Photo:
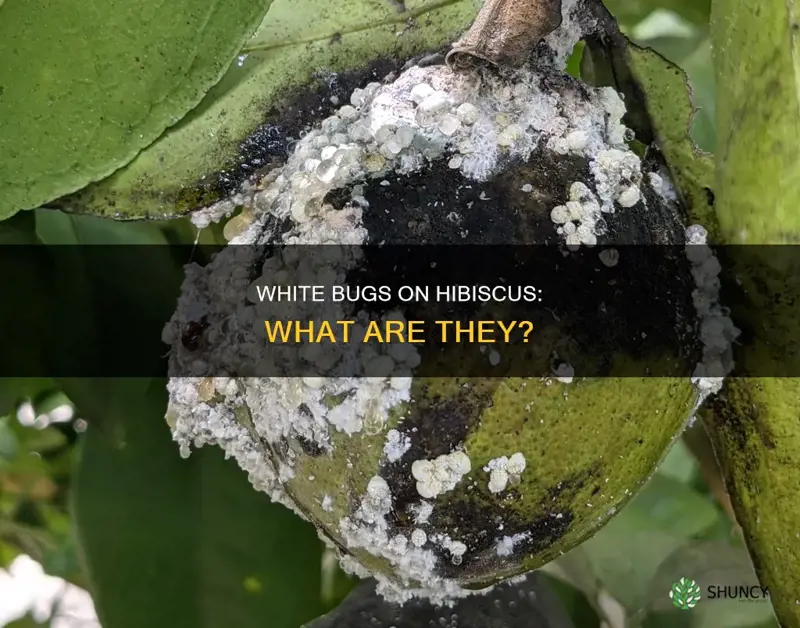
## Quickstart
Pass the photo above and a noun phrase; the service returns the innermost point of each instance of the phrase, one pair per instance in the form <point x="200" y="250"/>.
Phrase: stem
<point x="505" y="32"/>
<point x="699" y="444"/>
<point x="753" y="426"/>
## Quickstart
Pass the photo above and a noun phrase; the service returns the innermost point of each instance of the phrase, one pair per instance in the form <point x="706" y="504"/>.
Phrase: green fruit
<point x="588" y="446"/>
<point x="437" y="485"/>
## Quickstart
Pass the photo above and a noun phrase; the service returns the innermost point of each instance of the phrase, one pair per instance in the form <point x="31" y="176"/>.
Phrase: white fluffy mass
<point x="440" y="475"/>
<point x="504" y="469"/>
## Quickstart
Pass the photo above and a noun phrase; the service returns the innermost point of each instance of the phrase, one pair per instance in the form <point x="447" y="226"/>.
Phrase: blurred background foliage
<point x="174" y="539"/>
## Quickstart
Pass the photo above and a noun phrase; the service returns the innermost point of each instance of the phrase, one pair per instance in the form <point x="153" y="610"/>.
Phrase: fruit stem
<point x="505" y="32"/>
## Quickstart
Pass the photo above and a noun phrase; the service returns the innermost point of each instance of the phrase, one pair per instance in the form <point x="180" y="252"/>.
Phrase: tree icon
<point x="685" y="593"/>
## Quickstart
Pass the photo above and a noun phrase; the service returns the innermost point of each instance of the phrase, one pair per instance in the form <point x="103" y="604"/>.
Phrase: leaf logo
<point x="685" y="593"/>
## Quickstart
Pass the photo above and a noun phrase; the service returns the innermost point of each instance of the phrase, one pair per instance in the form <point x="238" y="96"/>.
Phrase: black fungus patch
<point x="436" y="424"/>
<point x="440" y="206"/>
<point x="272" y="230"/>
<point x="310" y="448"/>
<point x="735" y="419"/>
<point x="476" y="520"/>
<point x="644" y="305"/>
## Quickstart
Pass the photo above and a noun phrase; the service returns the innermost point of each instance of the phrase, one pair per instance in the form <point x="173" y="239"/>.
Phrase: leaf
<point x="84" y="86"/>
<point x="298" y="40"/>
<point x="693" y="56"/>
<point x="7" y="554"/>
<point x="8" y="441"/>
<point x="112" y="296"/>
<point x="626" y="553"/>
<point x="668" y="99"/>
<point x="679" y="464"/>
<point x="62" y="561"/>
<point x="711" y="564"/>
<point x="27" y="539"/>
<point x="336" y="584"/>
<point x="26" y="305"/>
<point x="574" y="600"/>
<point x="519" y="605"/>
<point x="700" y="70"/>
<point x="187" y="541"/>
<point x="90" y="283"/>
<point x="40" y="441"/>
<point x="630" y="12"/>
<point x="19" y="229"/>
<point x="660" y="110"/>
<point x="58" y="228"/>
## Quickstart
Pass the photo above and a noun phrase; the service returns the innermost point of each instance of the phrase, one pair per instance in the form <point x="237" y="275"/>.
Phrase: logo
<point x="740" y="593"/>
<point x="685" y="594"/>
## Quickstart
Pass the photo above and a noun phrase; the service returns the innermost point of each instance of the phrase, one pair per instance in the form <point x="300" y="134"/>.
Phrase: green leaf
<point x="189" y="542"/>
<point x="8" y="440"/>
<point x="299" y="39"/>
<point x="693" y="56"/>
<point x="26" y="539"/>
<point x="630" y="12"/>
<point x="679" y="464"/>
<point x="573" y="599"/>
<point x="84" y="86"/>
<point x="668" y="99"/>
<point x="8" y="553"/>
<point x="87" y="291"/>
<point x="711" y="564"/>
<point x="94" y="291"/>
<point x="26" y="305"/>
<point x="20" y="229"/>
<point x="40" y="441"/>
<point x="661" y="111"/>
<point x="336" y="583"/>
<point x="58" y="228"/>
<point x="626" y="553"/>
<point x="700" y="70"/>
<point x="62" y="561"/>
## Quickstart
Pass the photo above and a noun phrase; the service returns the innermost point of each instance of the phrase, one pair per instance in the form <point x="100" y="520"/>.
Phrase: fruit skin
<point x="589" y="445"/>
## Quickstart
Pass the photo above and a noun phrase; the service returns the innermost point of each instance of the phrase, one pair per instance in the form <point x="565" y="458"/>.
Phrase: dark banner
<point x="425" y="311"/>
